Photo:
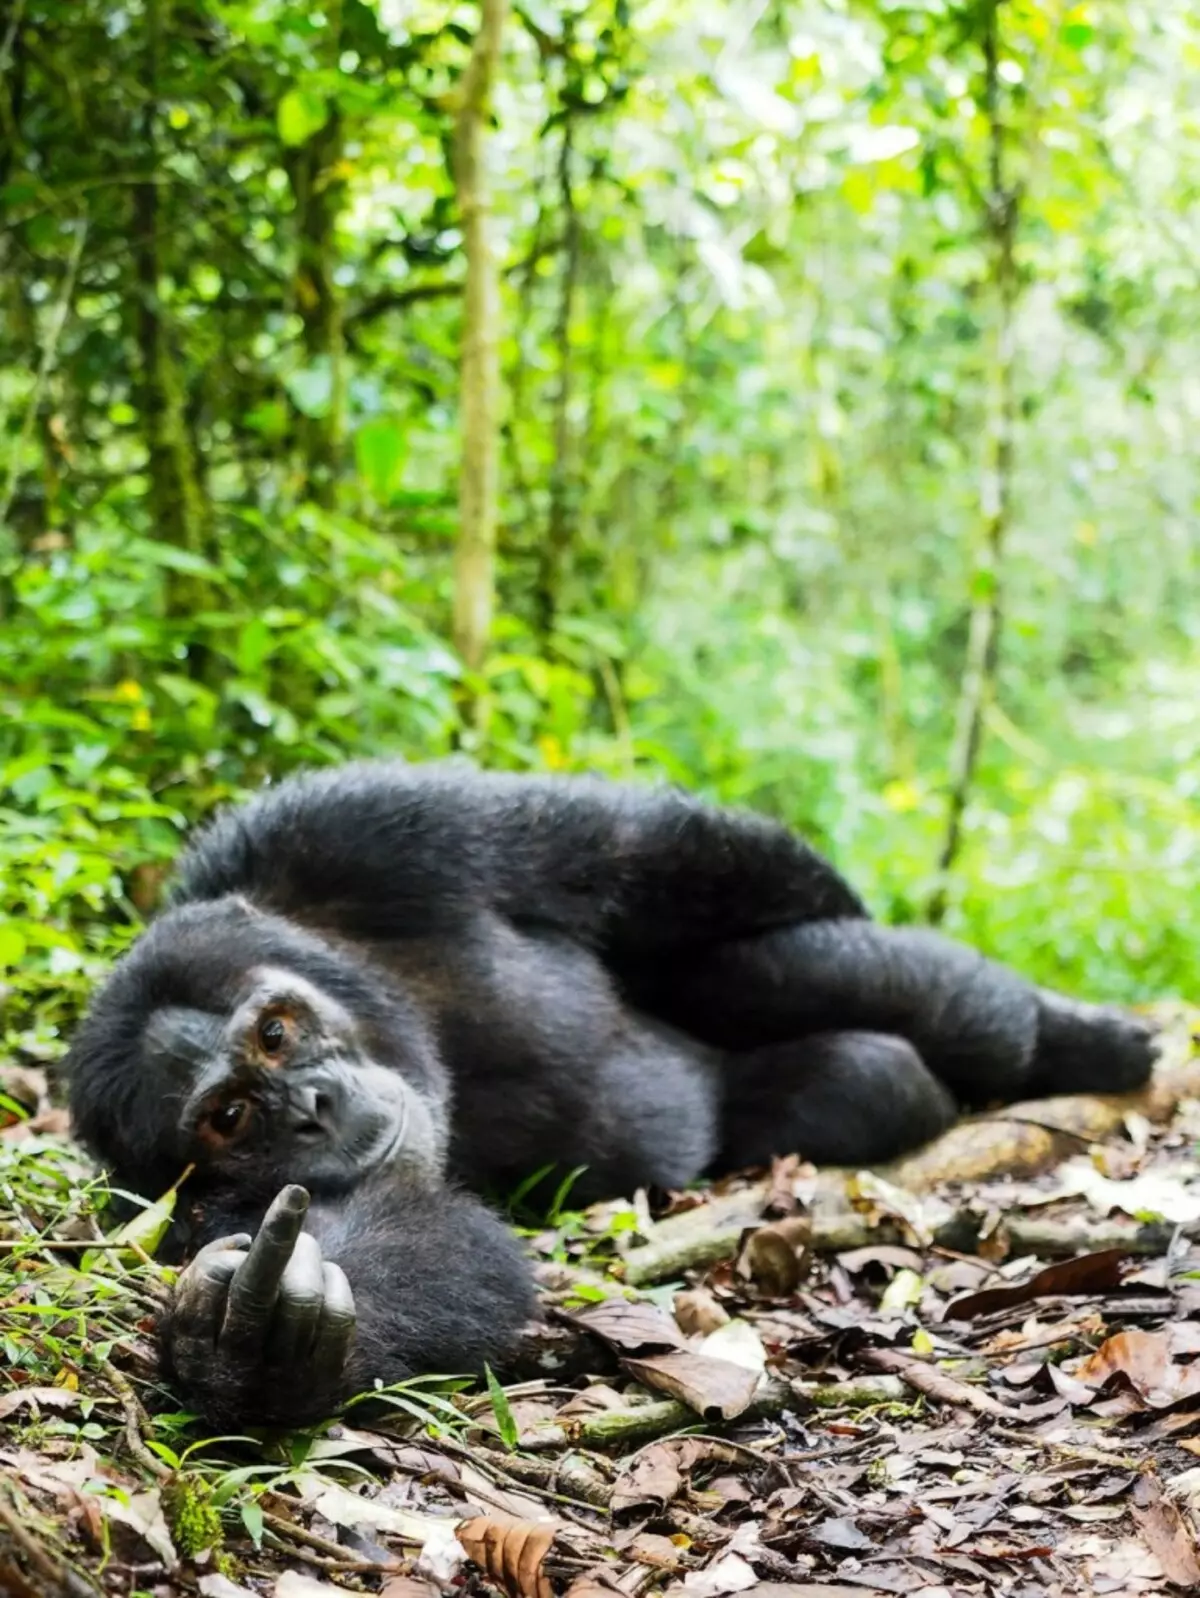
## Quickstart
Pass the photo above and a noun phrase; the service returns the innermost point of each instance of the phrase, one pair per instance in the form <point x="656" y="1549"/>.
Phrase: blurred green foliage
<point x="745" y="357"/>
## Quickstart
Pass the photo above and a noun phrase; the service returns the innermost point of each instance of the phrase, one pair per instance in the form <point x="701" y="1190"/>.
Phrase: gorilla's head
<point x="259" y="1052"/>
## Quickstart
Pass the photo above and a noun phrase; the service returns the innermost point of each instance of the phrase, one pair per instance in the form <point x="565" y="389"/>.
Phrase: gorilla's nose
<point x="315" y="1109"/>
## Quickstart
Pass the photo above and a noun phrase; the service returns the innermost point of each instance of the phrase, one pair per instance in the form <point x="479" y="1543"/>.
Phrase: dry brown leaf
<point x="655" y="1475"/>
<point x="593" y="1584"/>
<point x="510" y="1552"/>
<point x="38" y="1398"/>
<point x="593" y="1400"/>
<point x="1167" y="1534"/>
<point x="1087" y="1273"/>
<point x="627" y="1328"/>
<point x="698" y="1312"/>
<point x="934" y="1383"/>
<point x="891" y="1255"/>
<point x="714" y="1388"/>
<point x="1145" y="1362"/>
<point x="791" y="1179"/>
<point x="659" y="1553"/>
<point x="776" y="1257"/>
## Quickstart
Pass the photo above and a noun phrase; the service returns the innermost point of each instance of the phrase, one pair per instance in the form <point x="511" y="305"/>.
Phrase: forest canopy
<point x="843" y="435"/>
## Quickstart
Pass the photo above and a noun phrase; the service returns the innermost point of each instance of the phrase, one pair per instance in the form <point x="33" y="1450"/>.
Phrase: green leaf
<point x="143" y="1234"/>
<point x="12" y="946"/>
<point x="300" y="114"/>
<point x="380" y="447"/>
<point x="311" y="388"/>
<point x="505" y="1420"/>
<point x="253" y="1519"/>
<point x="172" y="558"/>
<point x="255" y="643"/>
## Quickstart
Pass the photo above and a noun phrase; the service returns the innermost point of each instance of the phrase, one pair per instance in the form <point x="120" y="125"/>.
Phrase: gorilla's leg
<point x="838" y="1098"/>
<point x="981" y="1028"/>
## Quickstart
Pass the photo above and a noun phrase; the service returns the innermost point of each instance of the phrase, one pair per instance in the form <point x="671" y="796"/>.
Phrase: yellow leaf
<point x="128" y="690"/>
<point x="901" y="795"/>
<point x="552" y="751"/>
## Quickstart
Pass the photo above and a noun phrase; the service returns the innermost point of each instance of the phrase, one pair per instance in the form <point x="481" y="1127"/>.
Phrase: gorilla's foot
<point x="1090" y="1048"/>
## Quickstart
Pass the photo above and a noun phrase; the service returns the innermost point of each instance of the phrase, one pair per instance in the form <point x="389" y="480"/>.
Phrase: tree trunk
<point x="177" y="504"/>
<point x="983" y="639"/>
<point x="559" y="524"/>
<point x="475" y="562"/>
<point x="319" y="196"/>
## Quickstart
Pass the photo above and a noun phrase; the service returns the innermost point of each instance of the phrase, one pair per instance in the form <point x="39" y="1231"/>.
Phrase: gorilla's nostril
<point x="316" y="1113"/>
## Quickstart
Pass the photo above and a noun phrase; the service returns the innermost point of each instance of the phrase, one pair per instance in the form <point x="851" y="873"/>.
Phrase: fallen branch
<point x="1047" y="1237"/>
<point x="615" y="1428"/>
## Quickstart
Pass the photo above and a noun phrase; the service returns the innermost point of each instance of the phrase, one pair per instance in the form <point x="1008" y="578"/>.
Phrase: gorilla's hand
<point x="261" y="1331"/>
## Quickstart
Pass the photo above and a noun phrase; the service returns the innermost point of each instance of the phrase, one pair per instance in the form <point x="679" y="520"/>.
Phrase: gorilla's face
<point x="261" y="1055"/>
<point x="285" y="1083"/>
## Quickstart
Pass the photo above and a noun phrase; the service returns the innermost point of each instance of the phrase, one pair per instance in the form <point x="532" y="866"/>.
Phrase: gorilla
<point x="381" y="992"/>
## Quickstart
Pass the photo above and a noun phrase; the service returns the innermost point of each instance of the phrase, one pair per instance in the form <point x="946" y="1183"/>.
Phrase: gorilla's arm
<point x="383" y="1286"/>
<point x="381" y="849"/>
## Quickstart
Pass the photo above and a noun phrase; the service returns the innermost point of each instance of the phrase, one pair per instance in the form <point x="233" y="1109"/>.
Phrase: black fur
<point x="561" y="972"/>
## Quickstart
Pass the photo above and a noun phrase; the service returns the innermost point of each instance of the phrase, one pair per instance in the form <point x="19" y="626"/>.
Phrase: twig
<point x="75" y="1244"/>
<point x="589" y="1490"/>
<point x="324" y="1545"/>
<point x="298" y="1547"/>
<point x="135" y="1419"/>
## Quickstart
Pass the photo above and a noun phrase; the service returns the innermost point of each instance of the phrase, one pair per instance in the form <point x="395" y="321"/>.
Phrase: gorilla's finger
<point x="199" y="1308"/>
<point x="220" y="1244"/>
<point x="204" y="1281"/>
<point x="254" y="1289"/>
<point x="335" y="1331"/>
<point x="298" y="1308"/>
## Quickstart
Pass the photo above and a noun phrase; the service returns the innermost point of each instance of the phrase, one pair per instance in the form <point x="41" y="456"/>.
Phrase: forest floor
<point x="974" y="1374"/>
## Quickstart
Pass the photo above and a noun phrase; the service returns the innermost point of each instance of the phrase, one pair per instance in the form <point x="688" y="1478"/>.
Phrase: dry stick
<point x="293" y="1546"/>
<point x="588" y="1489"/>
<point x="135" y="1419"/>
<point x="337" y="1557"/>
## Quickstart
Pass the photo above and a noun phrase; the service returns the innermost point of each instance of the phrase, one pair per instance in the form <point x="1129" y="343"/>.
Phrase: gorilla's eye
<point x="272" y="1035"/>
<point x="228" y="1119"/>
